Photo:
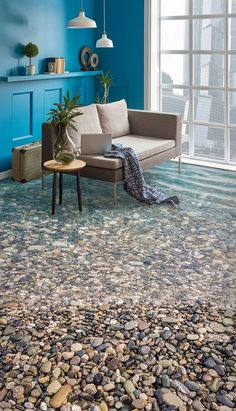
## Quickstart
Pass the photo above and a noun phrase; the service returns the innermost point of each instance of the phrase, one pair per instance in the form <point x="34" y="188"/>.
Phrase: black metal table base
<point x="54" y="190"/>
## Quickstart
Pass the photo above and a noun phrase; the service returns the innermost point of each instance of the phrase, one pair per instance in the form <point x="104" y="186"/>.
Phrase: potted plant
<point x="30" y="51"/>
<point x="62" y="116"/>
<point x="105" y="83"/>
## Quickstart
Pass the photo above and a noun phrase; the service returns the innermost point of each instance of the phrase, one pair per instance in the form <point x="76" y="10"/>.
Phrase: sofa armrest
<point x="157" y="125"/>
<point x="49" y="135"/>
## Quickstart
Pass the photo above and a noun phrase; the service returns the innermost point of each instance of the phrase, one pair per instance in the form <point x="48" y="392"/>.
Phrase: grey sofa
<point x="155" y="137"/>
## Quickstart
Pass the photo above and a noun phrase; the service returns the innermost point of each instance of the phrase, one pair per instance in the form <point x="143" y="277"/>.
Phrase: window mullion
<point x="226" y="84"/>
<point x="191" y="80"/>
<point x="159" y="103"/>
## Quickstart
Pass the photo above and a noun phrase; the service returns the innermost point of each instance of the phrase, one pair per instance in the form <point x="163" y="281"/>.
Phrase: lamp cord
<point x="104" y="17"/>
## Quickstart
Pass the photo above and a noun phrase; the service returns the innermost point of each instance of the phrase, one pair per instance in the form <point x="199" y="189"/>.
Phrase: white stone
<point x="76" y="347"/>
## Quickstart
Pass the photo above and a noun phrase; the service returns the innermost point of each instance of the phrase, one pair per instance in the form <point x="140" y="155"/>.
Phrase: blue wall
<point x="24" y="105"/>
<point x="125" y="26"/>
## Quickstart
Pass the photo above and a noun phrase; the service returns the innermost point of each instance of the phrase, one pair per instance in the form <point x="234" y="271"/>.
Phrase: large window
<point x="197" y="74"/>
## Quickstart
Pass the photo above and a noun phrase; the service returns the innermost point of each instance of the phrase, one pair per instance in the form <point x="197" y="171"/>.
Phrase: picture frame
<point x="51" y="66"/>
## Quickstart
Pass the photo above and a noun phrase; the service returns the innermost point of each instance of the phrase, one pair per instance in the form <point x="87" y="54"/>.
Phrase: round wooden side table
<point x="73" y="168"/>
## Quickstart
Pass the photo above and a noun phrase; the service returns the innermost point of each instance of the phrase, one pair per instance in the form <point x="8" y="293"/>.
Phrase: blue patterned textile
<point x="134" y="183"/>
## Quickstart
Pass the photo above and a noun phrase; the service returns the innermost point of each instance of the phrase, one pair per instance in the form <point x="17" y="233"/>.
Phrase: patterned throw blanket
<point x="134" y="183"/>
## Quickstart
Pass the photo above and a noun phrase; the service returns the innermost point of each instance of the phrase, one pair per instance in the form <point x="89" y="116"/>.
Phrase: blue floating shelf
<point x="11" y="79"/>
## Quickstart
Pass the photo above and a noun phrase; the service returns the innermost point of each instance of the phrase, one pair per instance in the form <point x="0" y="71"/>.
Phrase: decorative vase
<point x="31" y="70"/>
<point x="64" y="149"/>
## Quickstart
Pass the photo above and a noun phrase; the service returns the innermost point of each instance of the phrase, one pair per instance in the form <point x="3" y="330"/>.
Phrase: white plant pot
<point x="31" y="70"/>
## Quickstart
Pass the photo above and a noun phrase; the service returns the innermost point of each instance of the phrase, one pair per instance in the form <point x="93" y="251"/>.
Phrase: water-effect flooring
<point x="132" y="251"/>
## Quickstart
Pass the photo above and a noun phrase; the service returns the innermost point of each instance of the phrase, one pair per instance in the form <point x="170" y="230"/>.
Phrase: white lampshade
<point x="104" y="41"/>
<point x="82" y="22"/>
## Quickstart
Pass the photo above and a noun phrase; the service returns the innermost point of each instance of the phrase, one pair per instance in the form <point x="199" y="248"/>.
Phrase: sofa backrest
<point x="88" y="123"/>
<point x="109" y="118"/>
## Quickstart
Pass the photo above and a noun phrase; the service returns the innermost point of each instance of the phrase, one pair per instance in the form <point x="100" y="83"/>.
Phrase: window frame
<point x="153" y="10"/>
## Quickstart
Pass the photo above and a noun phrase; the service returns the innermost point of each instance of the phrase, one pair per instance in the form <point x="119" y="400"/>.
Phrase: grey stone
<point x="165" y="380"/>
<point x="224" y="400"/>
<point x="192" y="385"/>
<point x="131" y="325"/>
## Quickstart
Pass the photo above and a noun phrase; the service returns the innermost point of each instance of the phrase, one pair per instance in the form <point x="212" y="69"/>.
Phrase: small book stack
<point x="59" y="65"/>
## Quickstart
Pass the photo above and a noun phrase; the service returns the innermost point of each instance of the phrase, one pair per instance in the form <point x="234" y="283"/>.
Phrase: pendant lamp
<point x="104" y="41"/>
<point x="82" y="22"/>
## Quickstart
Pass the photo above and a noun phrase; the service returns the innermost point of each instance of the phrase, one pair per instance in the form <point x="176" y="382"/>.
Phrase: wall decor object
<point x="30" y="51"/>
<point x="81" y="21"/>
<point x="104" y="41"/>
<point x="85" y="56"/>
<point x="51" y="67"/>
<point x="22" y="71"/>
<point x="94" y="61"/>
<point x="88" y="59"/>
<point x="59" y="65"/>
<point x="56" y="65"/>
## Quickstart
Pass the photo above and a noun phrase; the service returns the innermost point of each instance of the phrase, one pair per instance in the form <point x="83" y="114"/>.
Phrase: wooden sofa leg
<point x="114" y="193"/>
<point x="179" y="165"/>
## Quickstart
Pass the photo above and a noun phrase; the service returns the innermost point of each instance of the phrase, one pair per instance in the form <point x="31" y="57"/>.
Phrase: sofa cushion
<point x="88" y="123"/>
<point x="101" y="162"/>
<point x="144" y="147"/>
<point x="114" y="118"/>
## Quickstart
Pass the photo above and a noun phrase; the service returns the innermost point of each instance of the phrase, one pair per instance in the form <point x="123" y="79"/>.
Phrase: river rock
<point x="165" y="381"/>
<point x="59" y="398"/>
<point x="76" y="347"/>
<point x="90" y="389"/>
<point x="9" y="330"/>
<point x="228" y="322"/>
<point x="96" y="342"/>
<point x="170" y="398"/>
<point x="215" y="385"/>
<point x="192" y="385"/>
<point x="131" y="325"/>
<point x="18" y="392"/>
<point x="143" y="325"/>
<point x="197" y="405"/>
<point x="53" y="387"/>
<point x="179" y="386"/>
<point x="170" y="347"/>
<point x="224" y="400"/>
<point x="3" y="393"/>
<point x="166" y="333"/>
<point x="67" y="355"/>
<point x="139" y="404"/>
<point x="169" y="320"/>
<point x="145" y="349"/>
<point x="46" y="367"/>
<point x="103" y="406"/>
<point x="129" y="388"/>
<point x="217" y="327"/>
<point x="192" y="337"/>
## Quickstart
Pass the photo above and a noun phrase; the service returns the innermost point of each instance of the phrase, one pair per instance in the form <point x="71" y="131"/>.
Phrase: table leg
<point x="60" y="187"/>
<point x="79" y="190"/>
<point x="54" y="192"/>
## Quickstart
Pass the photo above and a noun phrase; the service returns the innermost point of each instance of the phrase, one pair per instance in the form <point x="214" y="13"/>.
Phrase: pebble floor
<point x="127" y="307"/>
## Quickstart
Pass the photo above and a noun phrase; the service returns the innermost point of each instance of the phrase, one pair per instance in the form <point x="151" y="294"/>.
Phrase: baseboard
<point x="5" y="174"/>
